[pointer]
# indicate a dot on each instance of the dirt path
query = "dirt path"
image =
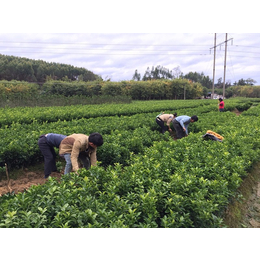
(25, 179)
(251, 218)
(245, 211)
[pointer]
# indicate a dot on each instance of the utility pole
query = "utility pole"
(225, 62)
(215, 40)
(215, 46)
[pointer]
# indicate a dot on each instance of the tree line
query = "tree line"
(60, 93)
(136, 90)
(24, 69)
(160, 72)
(37, 71)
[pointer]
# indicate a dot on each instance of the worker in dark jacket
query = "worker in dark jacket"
(46, 144)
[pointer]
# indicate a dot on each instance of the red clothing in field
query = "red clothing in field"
(221, 105)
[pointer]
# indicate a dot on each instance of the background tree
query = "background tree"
(147, 75)
(250, 81)
(136, 76)
(177, 72)
(16, 68)
(241, 82)
(219, 83)
(158, 72)
(205, 81)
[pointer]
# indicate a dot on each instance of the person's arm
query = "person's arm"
(74, 155)
(186, 128)
(169, 122)
(183, 125)
(93, 158)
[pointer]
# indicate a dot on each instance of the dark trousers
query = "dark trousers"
(49, 155)
(83, 156)
(180, 133)
(161, 124)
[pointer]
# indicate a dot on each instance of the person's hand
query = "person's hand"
(184, 129)
(170, 129)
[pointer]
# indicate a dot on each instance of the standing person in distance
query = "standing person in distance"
(46, 144)
(181, 124)
(80, 146)
(221, 105)
(162, 118)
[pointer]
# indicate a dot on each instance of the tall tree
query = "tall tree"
(241, 82)
(158, 72)
(147, 75)
(250, 81)
(205, 81)
(136, 76)
(177, 72)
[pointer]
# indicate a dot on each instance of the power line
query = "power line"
(28, 47)
(153, 52)
(108, 54)
(128, 50)
(120, 44)
(247, 46)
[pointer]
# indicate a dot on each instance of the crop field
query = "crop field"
(143, 179)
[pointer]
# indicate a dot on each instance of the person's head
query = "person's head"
(95, 139)
(175, 114)
(220, 99)
(194, 119)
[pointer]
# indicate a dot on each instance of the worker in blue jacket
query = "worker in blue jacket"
(181, 124)
(46, 144)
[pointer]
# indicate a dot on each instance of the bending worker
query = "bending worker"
(181, 124)
(80, 146)
(46, 144)
(165, 118)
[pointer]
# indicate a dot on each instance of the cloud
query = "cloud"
(118, 55)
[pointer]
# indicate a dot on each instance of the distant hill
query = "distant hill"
(17, 68)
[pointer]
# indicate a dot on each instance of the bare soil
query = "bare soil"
(21, 180)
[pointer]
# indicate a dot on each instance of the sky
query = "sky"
(116, 56)
(114, 42)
